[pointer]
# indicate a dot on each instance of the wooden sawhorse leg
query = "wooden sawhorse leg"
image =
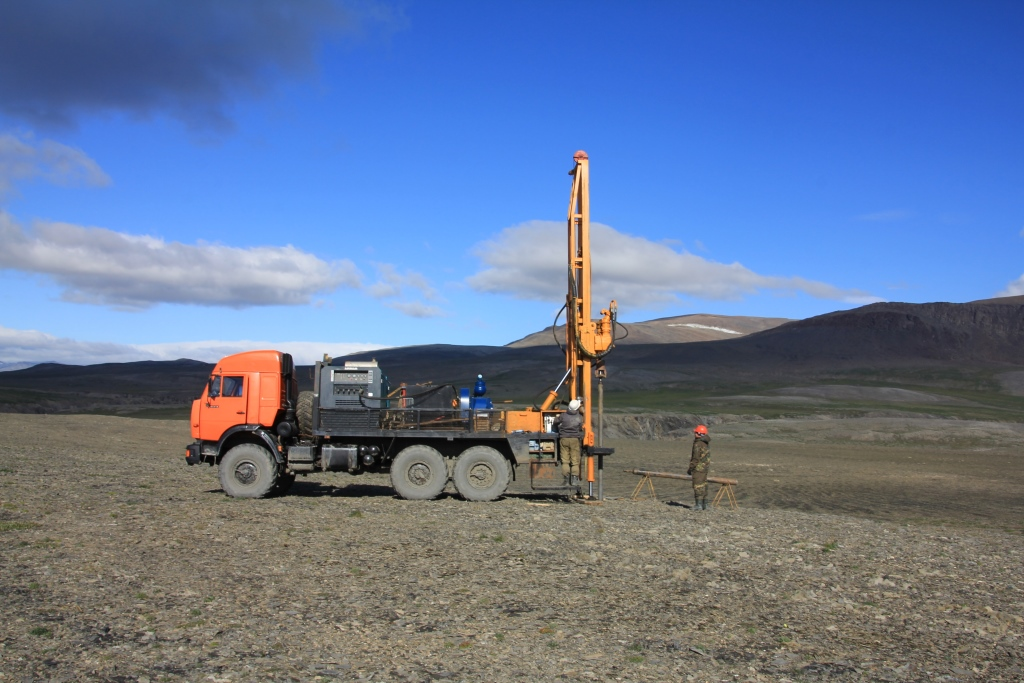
(645, 481)
(725, 490)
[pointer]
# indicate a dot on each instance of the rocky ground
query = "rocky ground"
(119, 563)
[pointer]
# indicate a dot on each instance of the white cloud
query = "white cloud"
(22, 157)
(391, 283)
(1015, 288)
(394, 285)
(304, 352)
(628, 268)
(35, 347)
(886, 216)
(100, 266)
(416, 309)
(32, 346)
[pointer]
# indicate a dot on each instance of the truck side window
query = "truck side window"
(214, 390)
(232, 386)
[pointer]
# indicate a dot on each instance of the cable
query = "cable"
(554, 327)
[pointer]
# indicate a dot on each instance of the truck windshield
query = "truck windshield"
(214, 390)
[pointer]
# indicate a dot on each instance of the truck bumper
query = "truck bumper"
(192, 454)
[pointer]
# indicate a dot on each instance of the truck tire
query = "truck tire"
(304, 413)
(419, 473)
(481, 473)
(248, 471)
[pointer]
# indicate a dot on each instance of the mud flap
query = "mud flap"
(546, 475)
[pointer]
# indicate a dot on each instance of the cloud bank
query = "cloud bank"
(392, 287)
(22, 157)
(1015, 288)
(648, 275)
(189, 58)
(100, 266)
(31, 346)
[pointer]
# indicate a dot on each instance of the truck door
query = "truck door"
(223, 406)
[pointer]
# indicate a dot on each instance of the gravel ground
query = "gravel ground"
(119, 563)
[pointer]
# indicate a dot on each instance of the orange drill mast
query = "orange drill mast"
(587, 341)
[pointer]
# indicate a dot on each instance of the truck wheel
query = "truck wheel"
(481, 473)
(419, 473)
(304, 413)
(248, 471)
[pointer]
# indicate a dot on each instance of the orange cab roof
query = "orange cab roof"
(250, 361)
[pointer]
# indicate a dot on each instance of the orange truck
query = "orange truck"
(252, 422)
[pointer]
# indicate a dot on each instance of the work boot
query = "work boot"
(574, 480)
(696, 505)
(704, 503)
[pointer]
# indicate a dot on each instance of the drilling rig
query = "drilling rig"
(260, 431)
(587, 341)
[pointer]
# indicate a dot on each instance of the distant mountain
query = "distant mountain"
(971, 347)
(1009, 300)
(675, 330)
(104, 387)
(876, 337)
(884, 335)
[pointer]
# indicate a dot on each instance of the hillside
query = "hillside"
(105, 387)
(885, 335)
(943, 359)
(678, 329)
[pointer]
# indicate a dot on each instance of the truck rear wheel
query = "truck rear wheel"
(248, 471)
(419, 473)
(481, 473)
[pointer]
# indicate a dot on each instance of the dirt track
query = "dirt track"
(119, 563)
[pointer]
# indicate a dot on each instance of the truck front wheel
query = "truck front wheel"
(248, 471)
(481, 473)
(419, 473)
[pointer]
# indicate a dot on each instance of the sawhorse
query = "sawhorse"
(646, 483)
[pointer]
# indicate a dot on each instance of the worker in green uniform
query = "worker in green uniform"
(569, 426)
(700, 461)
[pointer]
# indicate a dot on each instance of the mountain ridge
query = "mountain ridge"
(975, 347)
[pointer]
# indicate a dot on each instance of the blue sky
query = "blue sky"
(190, 179)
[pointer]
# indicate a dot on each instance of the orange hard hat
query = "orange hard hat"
(700, 429)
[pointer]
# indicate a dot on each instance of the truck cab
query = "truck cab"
(249, 396)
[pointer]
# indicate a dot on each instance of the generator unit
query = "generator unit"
(356, 385)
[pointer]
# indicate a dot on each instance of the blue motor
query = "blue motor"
(477, 401)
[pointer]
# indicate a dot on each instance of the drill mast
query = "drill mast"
(587, 341)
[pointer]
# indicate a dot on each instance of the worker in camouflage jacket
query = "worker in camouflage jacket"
(700, 462)
(569, 426)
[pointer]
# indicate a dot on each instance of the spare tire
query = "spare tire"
(304, 413)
